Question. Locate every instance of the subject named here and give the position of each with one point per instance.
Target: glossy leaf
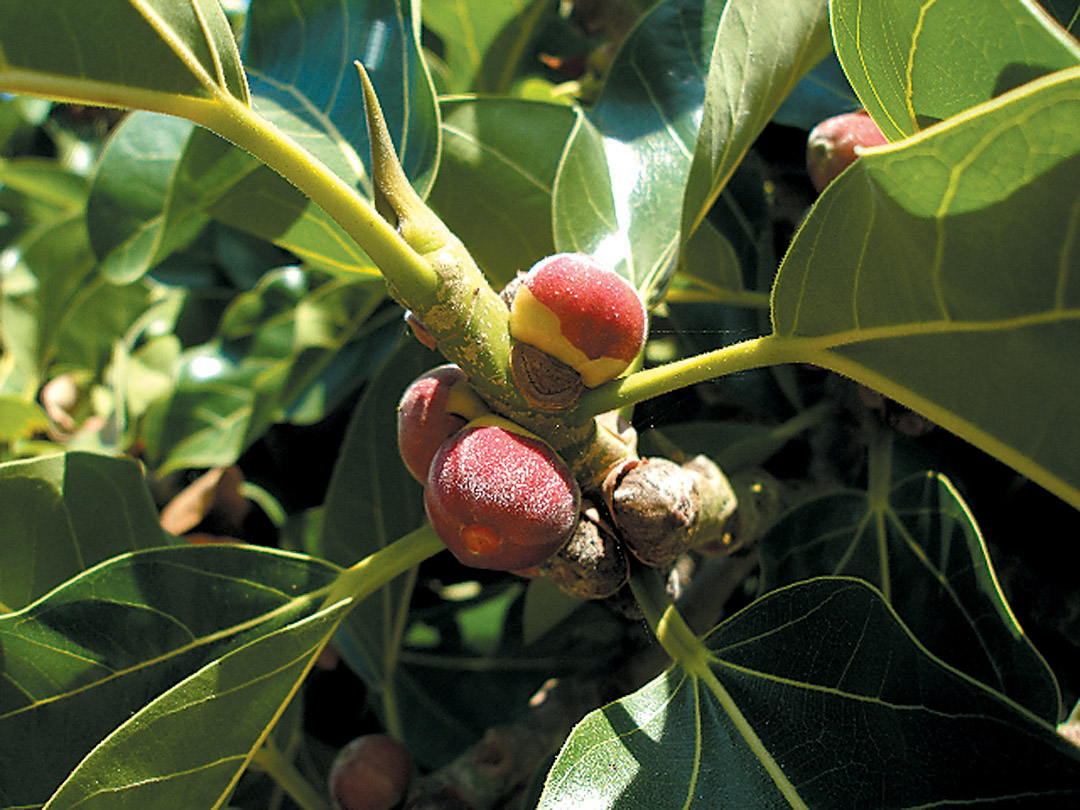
(618, 194)
(155, 54)
(940, 272)
(680, 107)
(762, 51)
(66, 513)
(920, 546)
(914, 63)
(484, 42)
(495, 179)
(813, 696)
(141, 207)
(308, 87)
(197, 645)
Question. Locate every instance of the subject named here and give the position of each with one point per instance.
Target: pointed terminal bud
(395, 198)
(584, 315)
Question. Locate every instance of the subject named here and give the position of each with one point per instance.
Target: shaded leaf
(940, 271)
(106, 652)
(813, 696)
(370, 502)
(913, 63)
(920, 546)
(495, 179)
(142, 207)
(274, 343)
(66, 513)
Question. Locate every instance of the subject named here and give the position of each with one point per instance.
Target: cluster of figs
(499, 496)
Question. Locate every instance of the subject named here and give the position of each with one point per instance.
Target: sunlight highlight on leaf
(964, 256)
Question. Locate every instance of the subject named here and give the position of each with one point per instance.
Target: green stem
(300, 790)
(375, 570)
(412, 278)
(688, 651)
(749, 354)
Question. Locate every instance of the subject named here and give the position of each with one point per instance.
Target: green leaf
(152, 54)
(484, 42)
(813, 696)
(940, 271)
(66, 513)
(495, 179)
(919, 545)
(20, 419)
(310, 89)
(914, 63)
(140, 208)
(68, 314)
(618, 193)
(186, 654)
(762, 51)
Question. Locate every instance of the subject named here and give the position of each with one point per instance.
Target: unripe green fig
(370, 773)
(499, 497)
(835, 143)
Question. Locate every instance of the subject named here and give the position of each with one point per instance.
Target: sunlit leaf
(921, 547)
(155, 54)
(618, 194)
(814, 696)
(941, 272)
(484, 42)
(218, 634)
(19, 419)
(914, 63)
(680, 107)
(762, 51)
(495, 179)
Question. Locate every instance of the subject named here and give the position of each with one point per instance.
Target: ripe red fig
(499, 497)
(435, 406)
(835, 143)
(586, 316)
(370, 773)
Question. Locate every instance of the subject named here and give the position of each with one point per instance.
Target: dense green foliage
(200, 285)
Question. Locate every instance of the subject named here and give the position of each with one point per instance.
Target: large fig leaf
(914, 63)
(371, 501)
(186, 654)
(942, 271)
(66, 513)
(814, 696)
(620, 190)
(918, 544)
(484, 42)
(762, 51)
